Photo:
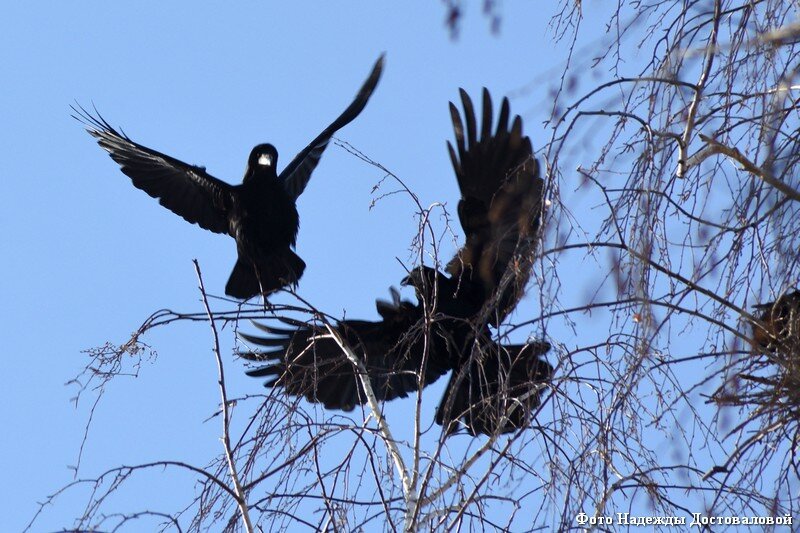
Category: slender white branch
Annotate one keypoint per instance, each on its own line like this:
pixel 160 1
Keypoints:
pixel 241 500
pixel 714 147
pixel 372 401
pixel 788 33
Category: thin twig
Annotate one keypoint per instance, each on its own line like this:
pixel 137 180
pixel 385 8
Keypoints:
pixel 715 147
pixel 710 53
pixel 241 499
pixel 372 400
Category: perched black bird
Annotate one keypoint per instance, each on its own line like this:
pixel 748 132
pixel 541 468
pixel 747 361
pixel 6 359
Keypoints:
pixel 778 327
pixel 493 387
pixel 260 213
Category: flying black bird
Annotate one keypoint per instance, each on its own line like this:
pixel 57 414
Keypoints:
pixel 307 361
pixel 499 210
pixel 779 325
pixel 493 387
pixel 260 213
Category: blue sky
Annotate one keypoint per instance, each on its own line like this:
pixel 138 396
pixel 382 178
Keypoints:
pixel 88 257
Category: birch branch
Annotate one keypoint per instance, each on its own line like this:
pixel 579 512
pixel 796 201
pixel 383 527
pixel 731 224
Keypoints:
pixel 372 401
pixel 715 147
pixel 241 500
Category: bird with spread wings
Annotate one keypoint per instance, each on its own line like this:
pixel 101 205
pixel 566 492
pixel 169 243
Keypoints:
pixel 494 387
pixel 260 214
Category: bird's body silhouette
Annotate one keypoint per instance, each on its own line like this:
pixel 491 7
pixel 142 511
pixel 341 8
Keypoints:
pixel 778 326
pixel 260 214
pixel 494 387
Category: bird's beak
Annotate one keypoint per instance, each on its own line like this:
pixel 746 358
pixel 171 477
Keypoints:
pixel 265 160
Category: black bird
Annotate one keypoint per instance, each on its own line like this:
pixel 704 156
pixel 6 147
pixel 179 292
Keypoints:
pixel 778 327
pixel 493 387
pixel 260 213
pixel 500 206
pixel 307 361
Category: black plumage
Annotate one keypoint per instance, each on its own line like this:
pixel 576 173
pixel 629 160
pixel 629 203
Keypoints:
pixel 778 326
pixel 493 387
pixel 499 210
pixel 307 361
pixel 496 389
pixel 260 214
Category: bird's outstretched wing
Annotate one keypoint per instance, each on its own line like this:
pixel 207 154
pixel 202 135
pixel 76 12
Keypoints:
pixel 494 387
pixel 307 361
pixel 501 195
pixel 496 390
pixel 186 190
pixel 296 175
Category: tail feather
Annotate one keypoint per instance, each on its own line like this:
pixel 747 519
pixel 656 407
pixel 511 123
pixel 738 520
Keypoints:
pixel 497 393
pixel 243 282
pixel 278 271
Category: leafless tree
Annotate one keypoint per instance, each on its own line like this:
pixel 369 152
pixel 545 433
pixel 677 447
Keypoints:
pixel 684 142
pixel 672 174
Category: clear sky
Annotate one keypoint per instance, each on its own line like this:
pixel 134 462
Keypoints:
pixel 87 257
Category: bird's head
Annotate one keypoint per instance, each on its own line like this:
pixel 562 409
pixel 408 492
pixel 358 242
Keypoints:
pixel 455 297
pixel 263 156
